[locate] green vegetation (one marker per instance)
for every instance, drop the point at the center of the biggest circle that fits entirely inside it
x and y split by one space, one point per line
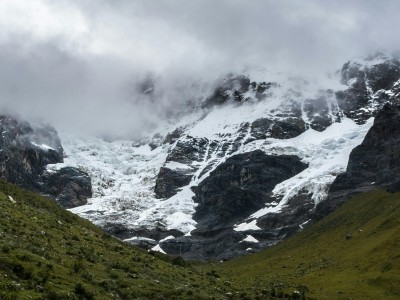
351 254
49 253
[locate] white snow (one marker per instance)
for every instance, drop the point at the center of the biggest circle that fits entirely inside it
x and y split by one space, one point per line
11 199
170 237
250 239
123 181
176 165
139 238
158 248
42 146
304 223
247 226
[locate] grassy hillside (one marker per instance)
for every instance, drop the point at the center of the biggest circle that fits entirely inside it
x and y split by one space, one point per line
353 253
49 253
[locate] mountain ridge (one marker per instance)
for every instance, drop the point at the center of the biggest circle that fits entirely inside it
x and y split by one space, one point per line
158 192
282 119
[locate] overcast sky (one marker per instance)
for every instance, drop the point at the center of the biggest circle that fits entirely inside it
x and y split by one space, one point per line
75 62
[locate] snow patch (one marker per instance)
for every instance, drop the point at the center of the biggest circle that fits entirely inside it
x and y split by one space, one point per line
250 239
170 237
176 165
304 224
158 248
42 146
139 238
247 226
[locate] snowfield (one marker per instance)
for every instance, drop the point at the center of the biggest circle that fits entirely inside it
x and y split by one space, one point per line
124 176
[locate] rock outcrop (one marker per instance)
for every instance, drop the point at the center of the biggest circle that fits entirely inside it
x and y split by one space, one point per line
240 186
373 164
234 89
368 86
26 150
169 181
68 186
278 129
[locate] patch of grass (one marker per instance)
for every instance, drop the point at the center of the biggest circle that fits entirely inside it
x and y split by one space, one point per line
49 253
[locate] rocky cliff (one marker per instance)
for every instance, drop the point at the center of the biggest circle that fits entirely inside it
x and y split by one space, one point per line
373 164
25 152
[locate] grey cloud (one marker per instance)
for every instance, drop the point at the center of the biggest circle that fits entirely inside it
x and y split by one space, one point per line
86 80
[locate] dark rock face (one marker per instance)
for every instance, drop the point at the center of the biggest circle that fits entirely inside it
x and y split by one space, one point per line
240 186
222 243
26 150
169 181
360 101
278 129
297 211
174 136
187 151
233 89
374 163
69 186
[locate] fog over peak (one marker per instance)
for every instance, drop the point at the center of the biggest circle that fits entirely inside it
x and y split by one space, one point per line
77 64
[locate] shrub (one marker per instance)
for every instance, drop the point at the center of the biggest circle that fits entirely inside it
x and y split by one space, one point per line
82 292
8 296
78 266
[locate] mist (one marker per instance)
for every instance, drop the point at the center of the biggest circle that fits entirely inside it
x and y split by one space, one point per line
80 65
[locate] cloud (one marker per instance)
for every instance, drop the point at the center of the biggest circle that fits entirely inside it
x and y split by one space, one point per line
77 63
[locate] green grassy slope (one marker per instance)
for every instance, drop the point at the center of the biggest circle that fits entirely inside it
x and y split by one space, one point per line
353 253
49 253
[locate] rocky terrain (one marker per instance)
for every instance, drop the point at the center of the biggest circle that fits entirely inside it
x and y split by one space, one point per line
374 163
26 150
249 165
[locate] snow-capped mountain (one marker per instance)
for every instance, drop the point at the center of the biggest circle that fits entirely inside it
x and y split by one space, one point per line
245 168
